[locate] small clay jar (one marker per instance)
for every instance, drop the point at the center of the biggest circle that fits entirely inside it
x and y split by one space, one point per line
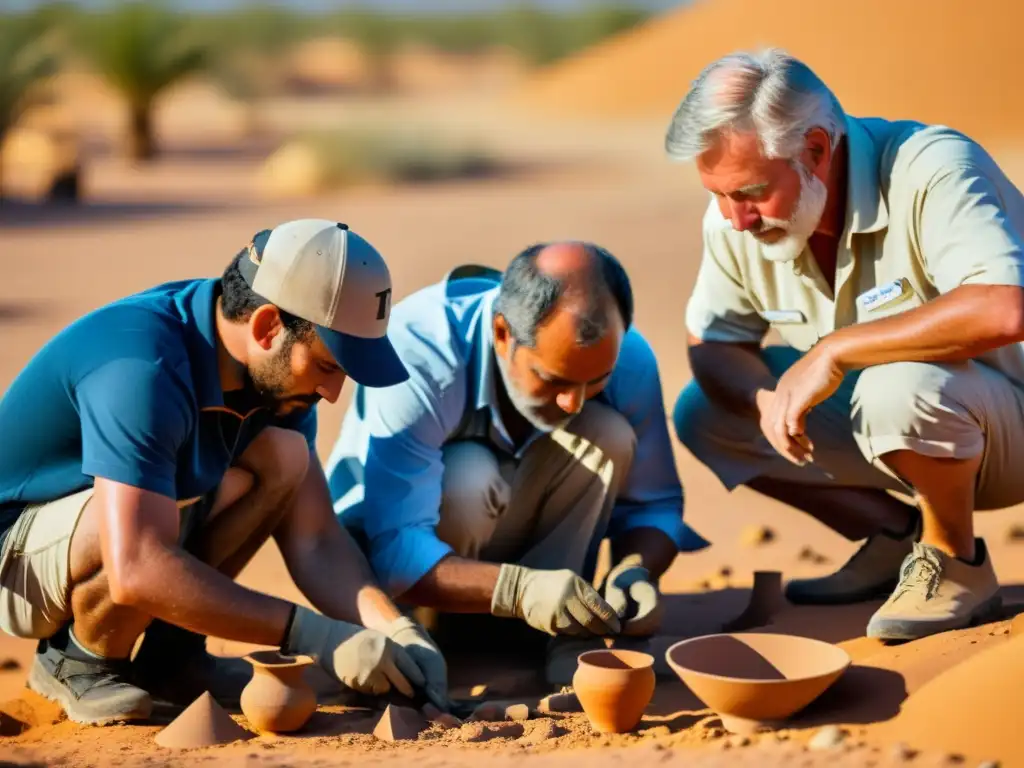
614 687
278 698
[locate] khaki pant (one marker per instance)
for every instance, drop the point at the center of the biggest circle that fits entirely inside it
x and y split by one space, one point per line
548 510
957 410
35 566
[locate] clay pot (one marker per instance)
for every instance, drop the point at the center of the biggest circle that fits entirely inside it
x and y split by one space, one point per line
278 698
614 687
756 680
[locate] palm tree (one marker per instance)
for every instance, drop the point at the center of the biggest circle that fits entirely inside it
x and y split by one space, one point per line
25 61
142 48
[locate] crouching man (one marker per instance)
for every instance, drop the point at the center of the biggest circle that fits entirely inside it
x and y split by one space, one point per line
531 428
889 257
157 442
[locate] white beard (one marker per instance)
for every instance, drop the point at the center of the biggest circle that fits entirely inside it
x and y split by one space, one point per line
527 407
801 224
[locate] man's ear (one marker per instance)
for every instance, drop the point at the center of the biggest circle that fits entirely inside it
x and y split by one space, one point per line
502 335
265 325
817 154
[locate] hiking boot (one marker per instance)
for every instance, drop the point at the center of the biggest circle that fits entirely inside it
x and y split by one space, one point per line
92 691
937 593
871 573
173 664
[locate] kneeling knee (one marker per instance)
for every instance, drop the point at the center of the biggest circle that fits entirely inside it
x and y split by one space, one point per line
608 430
694 418
278 457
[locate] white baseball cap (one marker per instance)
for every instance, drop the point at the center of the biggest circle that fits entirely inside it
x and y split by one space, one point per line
321 271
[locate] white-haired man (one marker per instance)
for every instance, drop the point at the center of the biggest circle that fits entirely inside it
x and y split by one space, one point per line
889 257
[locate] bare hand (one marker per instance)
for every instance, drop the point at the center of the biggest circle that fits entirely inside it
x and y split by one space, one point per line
810 381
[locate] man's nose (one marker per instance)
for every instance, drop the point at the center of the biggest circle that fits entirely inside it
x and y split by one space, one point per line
571 401
743 216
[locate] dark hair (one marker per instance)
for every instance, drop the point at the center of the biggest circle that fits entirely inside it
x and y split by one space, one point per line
239 301
528 296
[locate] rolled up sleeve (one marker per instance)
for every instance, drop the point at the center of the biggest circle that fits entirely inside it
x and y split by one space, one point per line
965 230
651 495
406 426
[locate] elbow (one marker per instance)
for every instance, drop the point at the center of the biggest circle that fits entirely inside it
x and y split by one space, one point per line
1008 314
126 583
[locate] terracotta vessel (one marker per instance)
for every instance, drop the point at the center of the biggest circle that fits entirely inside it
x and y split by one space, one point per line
278 698
614 687
756 680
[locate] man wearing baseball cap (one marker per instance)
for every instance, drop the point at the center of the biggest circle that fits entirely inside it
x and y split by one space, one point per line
152 447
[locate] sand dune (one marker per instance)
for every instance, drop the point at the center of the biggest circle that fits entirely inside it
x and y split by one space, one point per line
895 58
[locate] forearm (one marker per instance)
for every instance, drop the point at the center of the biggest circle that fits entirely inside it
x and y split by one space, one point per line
964 323
325 562
456 585
182 590
333 574
654 548
730 374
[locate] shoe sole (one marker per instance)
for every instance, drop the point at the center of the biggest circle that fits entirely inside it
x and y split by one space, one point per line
896 629
882 591
40 681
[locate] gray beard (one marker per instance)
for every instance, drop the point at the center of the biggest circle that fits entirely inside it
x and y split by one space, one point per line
527 407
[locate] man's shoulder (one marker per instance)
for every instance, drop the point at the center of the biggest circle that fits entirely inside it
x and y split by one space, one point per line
913 154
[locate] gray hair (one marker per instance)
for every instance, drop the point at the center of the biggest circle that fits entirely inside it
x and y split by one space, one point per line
768 92
528 296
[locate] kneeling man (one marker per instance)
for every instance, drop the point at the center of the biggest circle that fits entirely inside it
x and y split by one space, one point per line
532 426
889 257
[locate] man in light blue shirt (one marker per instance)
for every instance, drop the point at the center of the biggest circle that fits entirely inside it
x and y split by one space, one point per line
531 428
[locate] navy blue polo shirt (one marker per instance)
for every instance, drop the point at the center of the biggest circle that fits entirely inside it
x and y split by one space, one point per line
130 392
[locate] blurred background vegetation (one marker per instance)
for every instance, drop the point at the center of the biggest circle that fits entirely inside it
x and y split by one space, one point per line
141 49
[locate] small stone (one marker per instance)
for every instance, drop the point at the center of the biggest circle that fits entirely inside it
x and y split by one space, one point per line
756 535
901 753
782 736
444 719
517 712
10 665
477 691
989 764
560 702
829 737
809 555
725 571
1015 533
399 724
740 741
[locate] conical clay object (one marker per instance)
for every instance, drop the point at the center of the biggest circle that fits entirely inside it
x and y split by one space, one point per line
278 699
205 723
614 687
399 723
766 599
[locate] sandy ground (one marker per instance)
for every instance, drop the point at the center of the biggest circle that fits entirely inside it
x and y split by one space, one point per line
188 215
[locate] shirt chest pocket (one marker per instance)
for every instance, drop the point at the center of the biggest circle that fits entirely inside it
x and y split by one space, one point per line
794 326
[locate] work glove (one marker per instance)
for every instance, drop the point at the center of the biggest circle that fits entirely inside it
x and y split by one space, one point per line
425 654
365 660
555 602
634 597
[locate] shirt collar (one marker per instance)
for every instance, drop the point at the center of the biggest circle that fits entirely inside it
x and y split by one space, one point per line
200 310
866 210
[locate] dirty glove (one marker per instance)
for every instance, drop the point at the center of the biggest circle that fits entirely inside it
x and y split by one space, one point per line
363 659
556 602
425 654
634 597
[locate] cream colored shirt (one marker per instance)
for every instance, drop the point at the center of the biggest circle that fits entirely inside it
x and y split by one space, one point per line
927 210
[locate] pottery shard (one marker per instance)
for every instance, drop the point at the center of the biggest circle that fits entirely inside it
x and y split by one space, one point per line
444 719
829 737
205 723
559 702
756 535
399 723
10 665
517 712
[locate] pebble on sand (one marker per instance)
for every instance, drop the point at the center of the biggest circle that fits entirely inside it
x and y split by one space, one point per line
756 535
829 737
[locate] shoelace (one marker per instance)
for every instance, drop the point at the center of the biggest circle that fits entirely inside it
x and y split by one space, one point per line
921 573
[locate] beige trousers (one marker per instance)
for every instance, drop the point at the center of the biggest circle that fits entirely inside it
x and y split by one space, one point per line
545 510
956 410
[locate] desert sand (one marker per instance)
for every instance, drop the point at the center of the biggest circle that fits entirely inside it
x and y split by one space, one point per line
899 59
189 214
